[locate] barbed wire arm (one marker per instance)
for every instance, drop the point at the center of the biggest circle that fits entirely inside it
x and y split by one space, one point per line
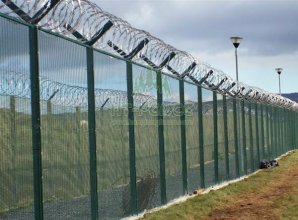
44 11
100 33
12 6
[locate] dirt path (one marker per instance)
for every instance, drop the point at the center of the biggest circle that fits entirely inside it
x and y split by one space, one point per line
271 201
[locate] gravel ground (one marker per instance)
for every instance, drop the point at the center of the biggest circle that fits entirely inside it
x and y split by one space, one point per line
111 202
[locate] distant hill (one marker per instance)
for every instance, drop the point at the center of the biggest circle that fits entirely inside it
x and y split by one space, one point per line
293 96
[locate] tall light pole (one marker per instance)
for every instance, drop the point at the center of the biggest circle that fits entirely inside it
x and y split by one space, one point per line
279 70
236 42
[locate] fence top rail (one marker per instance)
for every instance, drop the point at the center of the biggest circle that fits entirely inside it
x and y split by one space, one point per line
89 25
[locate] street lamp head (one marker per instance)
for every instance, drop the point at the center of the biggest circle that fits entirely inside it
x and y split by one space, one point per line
236 41
278 70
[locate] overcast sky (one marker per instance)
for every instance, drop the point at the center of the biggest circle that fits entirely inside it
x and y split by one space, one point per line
203 28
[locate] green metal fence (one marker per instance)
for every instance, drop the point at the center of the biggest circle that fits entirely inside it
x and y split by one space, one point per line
77 159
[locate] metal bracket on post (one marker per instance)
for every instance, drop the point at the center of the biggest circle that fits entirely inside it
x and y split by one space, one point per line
36 132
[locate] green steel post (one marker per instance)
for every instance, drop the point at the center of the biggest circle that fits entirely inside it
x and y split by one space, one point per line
244 137
251 140
267 134
183 136
226 137
284 130
36 133
257 134
215 135
92 133
277 131
201 138
262 133
163 194
236 138
132 149
271 133
274 133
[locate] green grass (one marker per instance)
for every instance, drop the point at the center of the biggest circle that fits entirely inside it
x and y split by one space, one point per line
201 206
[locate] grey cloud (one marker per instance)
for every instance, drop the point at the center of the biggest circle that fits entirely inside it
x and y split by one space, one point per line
269 27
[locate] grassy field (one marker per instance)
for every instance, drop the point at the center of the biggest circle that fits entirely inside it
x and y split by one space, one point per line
269 194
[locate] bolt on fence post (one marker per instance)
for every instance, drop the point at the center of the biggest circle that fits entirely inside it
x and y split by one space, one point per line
251 140
201 137
35 117
215 136
257 133
236 138
131 137
267 134
244 136
163 194
183 136
262 132
92 133
226 137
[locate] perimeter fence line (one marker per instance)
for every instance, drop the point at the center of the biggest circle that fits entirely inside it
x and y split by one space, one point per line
89 135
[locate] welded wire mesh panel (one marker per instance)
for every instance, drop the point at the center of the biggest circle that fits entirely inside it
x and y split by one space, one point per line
208 133
16 170
231 138
192 136
221 139
172 137
112 137
65 154
146 138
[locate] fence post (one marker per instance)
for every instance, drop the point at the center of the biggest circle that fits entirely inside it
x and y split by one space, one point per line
226 137
244 137
257 133
271 134
236 138
251 140
267 134
183 136
201 138
92 133
163 193
262 132
215 136
36 133
132 149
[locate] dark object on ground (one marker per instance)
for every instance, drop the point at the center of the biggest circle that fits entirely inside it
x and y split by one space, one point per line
268 164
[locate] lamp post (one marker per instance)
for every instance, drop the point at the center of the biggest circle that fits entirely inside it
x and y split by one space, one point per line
236 42
279 70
